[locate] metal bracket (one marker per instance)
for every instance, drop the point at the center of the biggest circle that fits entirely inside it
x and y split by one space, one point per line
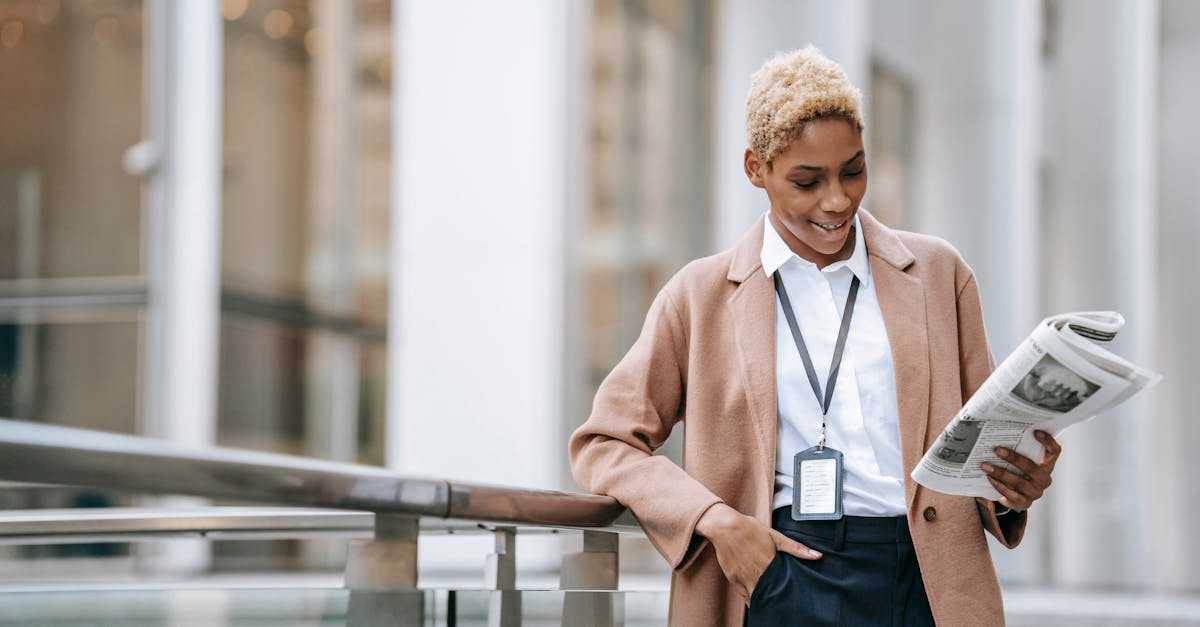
596 568
382 575
504 607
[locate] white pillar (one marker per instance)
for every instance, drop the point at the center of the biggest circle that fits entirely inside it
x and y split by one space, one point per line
184 263
477 284
748 33
183 208
839 29
1099 248
1173 543
1012 292
1014 118
1135 89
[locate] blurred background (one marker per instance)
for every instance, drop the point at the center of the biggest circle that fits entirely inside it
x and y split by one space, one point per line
419 234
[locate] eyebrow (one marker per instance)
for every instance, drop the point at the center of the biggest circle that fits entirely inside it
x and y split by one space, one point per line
820 169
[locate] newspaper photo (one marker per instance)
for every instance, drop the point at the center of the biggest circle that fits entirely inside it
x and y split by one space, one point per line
1060 375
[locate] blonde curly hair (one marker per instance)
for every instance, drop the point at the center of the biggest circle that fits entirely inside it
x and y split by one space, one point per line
791 89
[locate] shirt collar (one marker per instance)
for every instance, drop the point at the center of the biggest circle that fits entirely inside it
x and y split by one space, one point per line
775 253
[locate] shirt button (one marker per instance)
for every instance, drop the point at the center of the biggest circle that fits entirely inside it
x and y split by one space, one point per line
930 514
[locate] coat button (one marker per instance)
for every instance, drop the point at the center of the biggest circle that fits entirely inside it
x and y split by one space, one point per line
929 514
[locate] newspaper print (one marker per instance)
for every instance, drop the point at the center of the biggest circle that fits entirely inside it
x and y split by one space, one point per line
1059 376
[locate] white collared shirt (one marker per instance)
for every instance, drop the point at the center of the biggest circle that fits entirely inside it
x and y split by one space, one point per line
862 422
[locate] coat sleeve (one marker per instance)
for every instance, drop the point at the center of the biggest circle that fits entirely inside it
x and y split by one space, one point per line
976 363
635 409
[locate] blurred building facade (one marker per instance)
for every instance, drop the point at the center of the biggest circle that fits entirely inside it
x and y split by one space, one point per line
419 234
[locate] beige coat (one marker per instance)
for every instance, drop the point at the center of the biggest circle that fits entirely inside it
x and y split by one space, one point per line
706 358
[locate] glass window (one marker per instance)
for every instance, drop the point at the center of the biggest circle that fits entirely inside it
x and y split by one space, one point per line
70 84
77 373
305 226
650 206
70 218
891 146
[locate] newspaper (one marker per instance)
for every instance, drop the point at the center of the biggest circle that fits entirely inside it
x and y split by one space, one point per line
1060 375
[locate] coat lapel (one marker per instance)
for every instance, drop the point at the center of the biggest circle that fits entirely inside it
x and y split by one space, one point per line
752 306
902 302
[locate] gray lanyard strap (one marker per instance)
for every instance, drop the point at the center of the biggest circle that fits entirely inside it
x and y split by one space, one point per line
838 349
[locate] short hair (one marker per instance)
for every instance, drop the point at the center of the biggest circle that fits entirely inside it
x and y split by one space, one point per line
792 89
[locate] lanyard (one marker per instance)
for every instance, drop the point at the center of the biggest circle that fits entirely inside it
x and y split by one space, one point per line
838 349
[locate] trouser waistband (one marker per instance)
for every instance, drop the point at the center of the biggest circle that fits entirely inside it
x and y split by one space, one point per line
864 529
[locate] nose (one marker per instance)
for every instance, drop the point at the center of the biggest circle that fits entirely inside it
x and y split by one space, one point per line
837 200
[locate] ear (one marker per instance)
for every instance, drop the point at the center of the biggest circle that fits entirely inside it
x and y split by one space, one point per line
755 169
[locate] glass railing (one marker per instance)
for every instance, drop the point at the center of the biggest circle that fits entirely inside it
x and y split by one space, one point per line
325 607
380 514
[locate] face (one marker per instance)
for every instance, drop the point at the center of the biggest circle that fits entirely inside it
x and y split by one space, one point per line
814 188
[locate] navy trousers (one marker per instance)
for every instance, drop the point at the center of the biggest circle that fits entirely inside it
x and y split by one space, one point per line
867 576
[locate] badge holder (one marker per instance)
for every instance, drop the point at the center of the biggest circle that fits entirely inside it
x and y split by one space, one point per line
817 474
817 493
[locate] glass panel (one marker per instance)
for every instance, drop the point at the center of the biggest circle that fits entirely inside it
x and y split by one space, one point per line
891 150
650 207
261 400
325 607
15 566
372 406
83 374
70 81
297 389
291 388
307 152
305 226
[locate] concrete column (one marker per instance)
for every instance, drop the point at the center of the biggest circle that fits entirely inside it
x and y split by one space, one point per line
183 157
477 284
839 29
1012 291
1173 543
1099 226
184 216
1135 89
1014 146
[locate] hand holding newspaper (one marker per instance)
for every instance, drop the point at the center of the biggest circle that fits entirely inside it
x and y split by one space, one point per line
1058 376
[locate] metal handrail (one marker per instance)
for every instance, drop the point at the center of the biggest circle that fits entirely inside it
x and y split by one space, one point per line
135 524
62 455
126 524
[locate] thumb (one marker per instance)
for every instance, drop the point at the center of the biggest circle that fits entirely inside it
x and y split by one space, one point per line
791 547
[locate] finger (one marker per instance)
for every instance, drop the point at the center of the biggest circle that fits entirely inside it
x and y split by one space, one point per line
1023 463
1009 497
1039 474
1053 448
791 547
1019 483
1020 491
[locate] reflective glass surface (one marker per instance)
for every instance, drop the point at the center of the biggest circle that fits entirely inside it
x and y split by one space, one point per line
307 97
323 607
71 88
82 374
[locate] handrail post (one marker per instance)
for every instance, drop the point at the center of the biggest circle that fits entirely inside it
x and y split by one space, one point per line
504 607
595 568
381 574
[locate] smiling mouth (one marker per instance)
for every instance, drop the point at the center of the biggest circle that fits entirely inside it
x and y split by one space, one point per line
829 227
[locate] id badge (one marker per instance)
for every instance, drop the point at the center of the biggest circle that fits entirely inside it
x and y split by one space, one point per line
817 484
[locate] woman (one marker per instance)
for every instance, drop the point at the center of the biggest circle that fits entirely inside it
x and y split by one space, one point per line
744 349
